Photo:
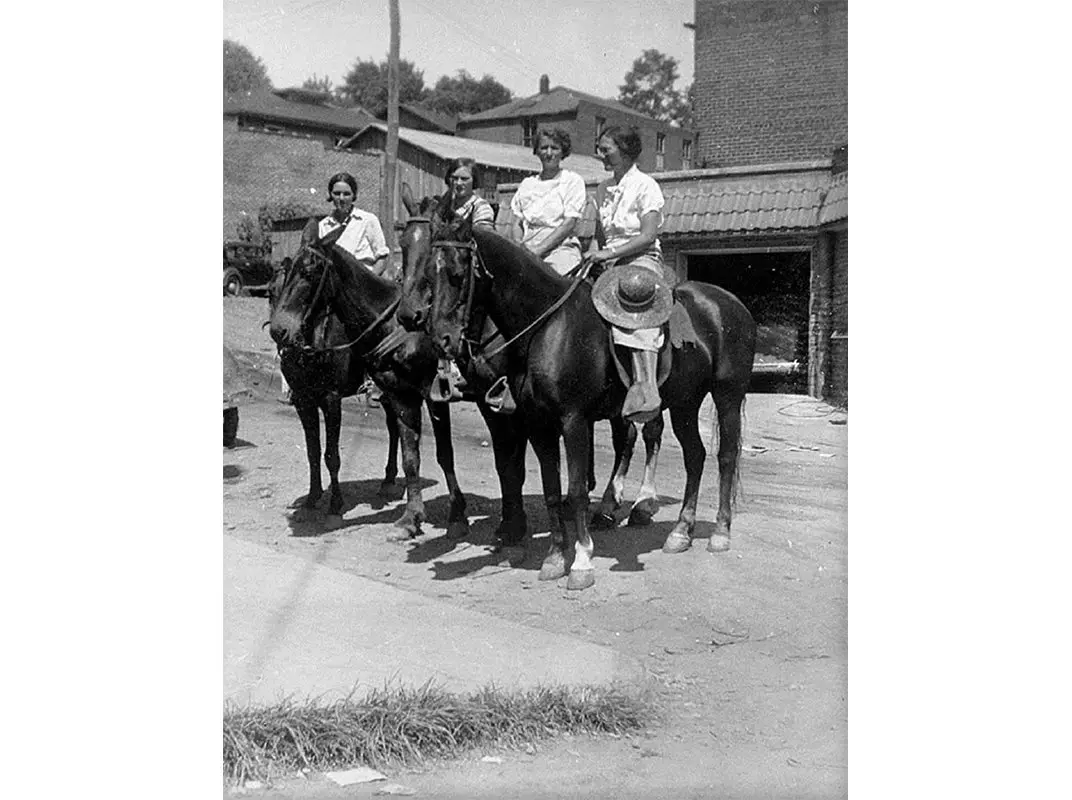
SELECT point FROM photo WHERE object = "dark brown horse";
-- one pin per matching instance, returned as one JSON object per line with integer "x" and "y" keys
{"x": 320, "y": 284}
{"x": 562, "y": 374}
{"x": 319, "y": 379}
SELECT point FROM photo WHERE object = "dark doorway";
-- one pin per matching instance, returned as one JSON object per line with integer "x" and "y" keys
{"x": 775, "y": 288}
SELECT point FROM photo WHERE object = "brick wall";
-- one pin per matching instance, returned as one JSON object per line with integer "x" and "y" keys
{"x": 771, "y": 80}
{"x": 261, "y": 168}
{"x": 837, "y": 388}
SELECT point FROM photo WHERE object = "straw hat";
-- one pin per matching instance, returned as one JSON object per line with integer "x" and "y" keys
{"x": 633, "y": 297}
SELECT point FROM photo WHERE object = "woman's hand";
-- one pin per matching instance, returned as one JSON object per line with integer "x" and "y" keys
{"x": 601, "y": 256}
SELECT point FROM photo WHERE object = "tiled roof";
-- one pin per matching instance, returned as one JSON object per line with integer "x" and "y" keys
{"x": 836, "y": 206}
{"x": 783, "y": 197}
{"x": 274, "y": 107}
{"x": 557, "y": 101}
{"x": 492, "y": 154}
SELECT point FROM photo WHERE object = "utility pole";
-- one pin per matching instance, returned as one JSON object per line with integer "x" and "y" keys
{"x": 387, "y": 196}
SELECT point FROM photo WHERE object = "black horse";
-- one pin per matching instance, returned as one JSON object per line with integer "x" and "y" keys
{"x": 563, "y": 377}
{"x": 320, "y": 284}
{"x": 319, "y": 379}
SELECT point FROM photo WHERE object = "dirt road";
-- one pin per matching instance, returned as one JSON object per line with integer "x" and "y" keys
{"x": 747, "y": 648}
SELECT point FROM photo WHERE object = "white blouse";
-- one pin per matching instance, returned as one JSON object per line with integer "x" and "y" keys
{"x": 625, "y": 203}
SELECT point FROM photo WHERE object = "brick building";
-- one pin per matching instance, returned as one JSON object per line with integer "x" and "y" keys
{"x": 583, "y": 116}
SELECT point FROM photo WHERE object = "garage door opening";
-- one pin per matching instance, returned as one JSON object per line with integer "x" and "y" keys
{"x": 775, "y": 288}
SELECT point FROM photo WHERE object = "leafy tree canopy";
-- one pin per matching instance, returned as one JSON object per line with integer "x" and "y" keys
{"x": 649, "y": 89}
{"x": 316, "y": 84}
{"x": 464, "y": 94}
{"x": 243, "y": 72}
{"x": 365, "y": 85}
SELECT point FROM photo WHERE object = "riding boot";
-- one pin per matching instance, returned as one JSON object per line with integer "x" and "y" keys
{"x": 642, "y": 401}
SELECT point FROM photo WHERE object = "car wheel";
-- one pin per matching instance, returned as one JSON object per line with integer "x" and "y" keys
{"x": 232, "y": 282}
{"x": 230, "y": 426}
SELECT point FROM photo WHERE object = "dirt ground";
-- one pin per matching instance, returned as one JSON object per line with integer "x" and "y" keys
{"x": 747, "y": 649}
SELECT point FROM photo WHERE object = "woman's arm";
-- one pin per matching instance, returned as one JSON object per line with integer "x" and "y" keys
{"x": 557, "y": 237}
{"x": 649, "y": 230}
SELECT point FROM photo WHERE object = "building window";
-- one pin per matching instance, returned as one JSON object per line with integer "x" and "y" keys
{"x": 660, "y": 151}
{"x": 686, "y": 154}
{"x": 601, "y": 123}
{"x": 528, "y": 132}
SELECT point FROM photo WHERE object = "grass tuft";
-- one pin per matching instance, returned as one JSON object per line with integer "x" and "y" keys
{"x": 404, "y": 725}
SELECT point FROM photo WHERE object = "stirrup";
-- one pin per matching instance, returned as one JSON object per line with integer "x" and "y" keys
{"x": 445, "y": 385}
{"x": 499, "y": 397}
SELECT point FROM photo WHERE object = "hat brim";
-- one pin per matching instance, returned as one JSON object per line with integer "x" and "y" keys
{"x": 605, "y": 298}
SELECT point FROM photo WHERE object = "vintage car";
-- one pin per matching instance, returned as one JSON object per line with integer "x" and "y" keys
{"x": 246, "y": 267}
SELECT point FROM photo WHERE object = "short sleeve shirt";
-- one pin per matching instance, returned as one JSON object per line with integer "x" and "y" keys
{"x": 543, "y": 205}
{"x": 625, "y": 203}
{"x": 363, "y": 237}
{"x": 478, "y": 210}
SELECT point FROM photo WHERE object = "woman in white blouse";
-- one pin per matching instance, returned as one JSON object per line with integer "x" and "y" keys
{"x": 547, "y": 207}
{"x": 630, "y": 206}
{"x": 357, "y": 233}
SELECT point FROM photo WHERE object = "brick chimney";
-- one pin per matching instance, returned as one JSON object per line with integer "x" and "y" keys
{"x": 545, "y": 84}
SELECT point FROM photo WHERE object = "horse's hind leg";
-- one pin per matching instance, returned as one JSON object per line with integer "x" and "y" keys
{"x": 647, "y": 502}
{"x": 457, "y": 521}
{"x": 575, "y": 434}
{"x": 728, "y": 405}
{"x": 332, "y": 407}
{"x": 309, "y": 415}
{"x": 623, "y": 437}
{"x": 685, "y": 421}
{"x": 390, "y": 472}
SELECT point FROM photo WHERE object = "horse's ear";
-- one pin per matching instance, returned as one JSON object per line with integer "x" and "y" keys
{"x": 408, "y": 201}
{"x": 311, "y": 232}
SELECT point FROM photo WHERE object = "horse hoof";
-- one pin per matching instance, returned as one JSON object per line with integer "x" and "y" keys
{"x": 333, "y": 522}
{"x": 458, "y": 530}
{"x": 639, "y": 518}
{"x": 718, "y": 543}
{"x": 581, "y": 579}
{"x": 602, "y": 521}
{"x": 513, "y": 554}
{"x": 303, "y": 514}
{"x": 552, "y": 571}
{"x": 677, "y": 543}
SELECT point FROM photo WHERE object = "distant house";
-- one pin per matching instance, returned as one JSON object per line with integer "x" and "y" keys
{"x": 423, "y": 158}
{"x": 584, "y": 117}
{"x": 279, "y": 149}
{"x": 418, "y": 118}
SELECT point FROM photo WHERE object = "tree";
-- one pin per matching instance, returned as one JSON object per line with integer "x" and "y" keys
{"x": 465, "y": 94}
{"x": 365, "y": 85}
{"x": 243, "y": 72}
{"x": 649, "y": 88}
{"x": 316, "y": 84}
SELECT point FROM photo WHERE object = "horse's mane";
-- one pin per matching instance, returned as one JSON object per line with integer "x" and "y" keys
{"x": 490, "y": 238}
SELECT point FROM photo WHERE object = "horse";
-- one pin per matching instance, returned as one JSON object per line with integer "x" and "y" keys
{"x": 319, "y": 380}
{"x": 322, "y": 283}
{"x": 416, "y": 236}
{"x": 564, "y": 378}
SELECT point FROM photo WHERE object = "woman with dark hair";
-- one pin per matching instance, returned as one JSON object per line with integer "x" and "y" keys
{"x": 356, "y": 232}
{"x": 547, "y": 207}
{"x": 462, "y": 176}
{"x": 634, "y": 293}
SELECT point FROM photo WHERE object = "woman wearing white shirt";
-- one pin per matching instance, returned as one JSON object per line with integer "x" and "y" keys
{"x": 547, "y": 207}
{"x": 357, "y": 233}
{"x": 630, "y": 211}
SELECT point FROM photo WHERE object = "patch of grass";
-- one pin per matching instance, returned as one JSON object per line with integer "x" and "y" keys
{"x": 393, "y": 726}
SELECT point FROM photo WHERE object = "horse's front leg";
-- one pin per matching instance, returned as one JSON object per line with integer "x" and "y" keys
{"x": 508, "y": 440}
{"x": 546, "y": 446}
{"x": 623, "y": 437}
{"x": 575, "y": 435}
{"x": 687, "y": 429}
{"x": 647, "y": 502}
{"x": 309, "y": 415}
{"x": 390, "y": 472}
{"x": 409, "y": 422}
{"x": 331, "y": 405}
{"x": 457, "y": 521}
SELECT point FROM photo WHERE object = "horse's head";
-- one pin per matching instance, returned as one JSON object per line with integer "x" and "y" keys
{"x": 459, "y": 279}
{"x": 415, "y": 240}
{"x": 298, "y": 296}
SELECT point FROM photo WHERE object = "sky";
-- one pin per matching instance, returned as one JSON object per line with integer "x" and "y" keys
{"x": 583, "y": 44}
